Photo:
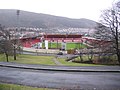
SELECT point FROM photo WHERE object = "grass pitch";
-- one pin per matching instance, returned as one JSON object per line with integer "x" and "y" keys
{"x": 72, "y": 45}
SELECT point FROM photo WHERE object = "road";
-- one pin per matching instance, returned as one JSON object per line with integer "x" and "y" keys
{"x": 59, "y": 79}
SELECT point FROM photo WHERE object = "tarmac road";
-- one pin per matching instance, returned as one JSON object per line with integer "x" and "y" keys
{"x": 61, "y": 79}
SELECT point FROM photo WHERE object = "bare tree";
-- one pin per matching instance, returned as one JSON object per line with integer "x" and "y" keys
{"x": 81, "y": 56}
{"x": 16, "y": 47}
{"x": 5, "y": 42}
{"x": 6, "y": 48}
{"x": 111, "y": 29}
{"x": 90, "y": 54}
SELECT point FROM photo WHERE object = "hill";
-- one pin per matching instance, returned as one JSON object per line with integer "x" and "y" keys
{"x": 30, "y": 19}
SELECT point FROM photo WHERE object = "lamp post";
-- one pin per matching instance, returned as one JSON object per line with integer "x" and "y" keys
{"x": 18, "y": 14}
{"x": 15, "y": 41}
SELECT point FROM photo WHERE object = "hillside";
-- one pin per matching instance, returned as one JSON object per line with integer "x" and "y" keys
{"x": 30, "y": 19}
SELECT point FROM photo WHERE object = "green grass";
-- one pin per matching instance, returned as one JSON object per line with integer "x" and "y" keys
{"x": 45, "y": 60}
{"x": 106, "y": 61}
{"x": 62, "y": 60}
{"x": 68, "y": 45}
{"x": 52, "y": 45}
{"x": 85, "y": 58}
{"x": 75, "y": 46}
{"x": 29, "y": 59}
{"x": 19, "y": 87}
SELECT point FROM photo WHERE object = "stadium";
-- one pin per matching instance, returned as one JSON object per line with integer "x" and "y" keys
{"x": 55, "y": 41}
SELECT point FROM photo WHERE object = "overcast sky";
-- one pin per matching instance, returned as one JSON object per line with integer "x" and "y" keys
{"x": 90, "y": 9}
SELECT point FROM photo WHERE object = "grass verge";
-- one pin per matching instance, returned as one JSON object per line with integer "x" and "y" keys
{"x": 19, "y": 87}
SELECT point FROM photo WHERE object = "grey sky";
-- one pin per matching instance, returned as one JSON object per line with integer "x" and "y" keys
{"x": 90, "y": 9}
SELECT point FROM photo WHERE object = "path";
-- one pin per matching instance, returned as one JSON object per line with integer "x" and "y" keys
{"x": 56, "y": 61}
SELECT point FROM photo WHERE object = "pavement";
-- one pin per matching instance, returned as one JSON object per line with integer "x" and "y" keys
{"x": 62, "y": 68}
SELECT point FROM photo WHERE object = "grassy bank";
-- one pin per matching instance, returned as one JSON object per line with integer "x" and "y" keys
{"x": 19, "y": 87}
{"x": 104, "y": 60}
{"x": 62, "y": 61}
{"x": 48, "y": 60}
{"x": 29, "y": 59}
{"x": 45, "y": 60}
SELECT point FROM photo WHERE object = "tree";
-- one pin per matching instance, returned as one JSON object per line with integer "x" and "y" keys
{"x": 5, "y": 42}
{"x": 16, "y": 47}
{"x": 81, "y": 56}
{"x": 109, "y": 31}
{"x": 90, "y": 54}
{"x": 6, "y": 48}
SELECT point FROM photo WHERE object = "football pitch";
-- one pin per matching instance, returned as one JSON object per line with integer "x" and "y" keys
{"x": 71, "y": 45}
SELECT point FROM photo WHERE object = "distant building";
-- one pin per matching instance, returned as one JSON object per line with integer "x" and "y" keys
{"x": 63, "y": 38}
